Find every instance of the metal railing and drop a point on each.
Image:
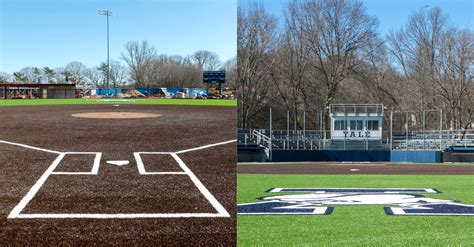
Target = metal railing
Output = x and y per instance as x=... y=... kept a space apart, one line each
x=317 y=140
x=433 y=140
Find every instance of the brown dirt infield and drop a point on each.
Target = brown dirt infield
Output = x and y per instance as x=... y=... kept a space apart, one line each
x=354 y=168
x=117 y=189
x=115 y=115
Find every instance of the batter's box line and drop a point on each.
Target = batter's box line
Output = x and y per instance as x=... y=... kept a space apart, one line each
x=95 y=166
x=141 y=165
x=16 y=212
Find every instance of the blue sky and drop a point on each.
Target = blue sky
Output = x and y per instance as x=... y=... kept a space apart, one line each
x=54 y=32
x=392 y=14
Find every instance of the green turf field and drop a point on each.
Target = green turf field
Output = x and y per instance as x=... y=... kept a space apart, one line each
x=357 y=225
x=213 y=102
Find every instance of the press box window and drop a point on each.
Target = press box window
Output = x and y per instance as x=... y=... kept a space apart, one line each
x=339 y=125
x=373 y=125
x=356 y=124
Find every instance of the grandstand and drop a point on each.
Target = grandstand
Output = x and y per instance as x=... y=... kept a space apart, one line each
x=356 y=127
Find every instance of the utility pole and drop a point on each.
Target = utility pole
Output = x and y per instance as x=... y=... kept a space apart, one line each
x=107 y=13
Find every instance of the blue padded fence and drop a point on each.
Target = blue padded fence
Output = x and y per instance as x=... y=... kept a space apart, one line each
x=331 y=155
x=416 y=156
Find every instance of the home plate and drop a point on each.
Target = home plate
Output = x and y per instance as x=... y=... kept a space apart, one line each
x=355 y=170
x=118 y=162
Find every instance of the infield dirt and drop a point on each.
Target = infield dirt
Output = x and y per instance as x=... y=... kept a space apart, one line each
x=118 y=189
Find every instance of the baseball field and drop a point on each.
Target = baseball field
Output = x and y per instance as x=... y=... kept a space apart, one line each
x=355 y=225
x=117 y=172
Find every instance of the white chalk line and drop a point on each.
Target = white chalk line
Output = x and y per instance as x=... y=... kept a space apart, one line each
x=205 y=146
x=16 y=212
x=35 y=188
x=30 y=147
x=119 y=216
x=95 y=165
x=141 y=166
x=220 y=209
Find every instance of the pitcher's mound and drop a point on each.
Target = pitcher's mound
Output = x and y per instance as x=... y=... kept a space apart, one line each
x=116 y=115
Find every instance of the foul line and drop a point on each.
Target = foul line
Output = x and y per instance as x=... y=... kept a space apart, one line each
x=220 y=209
x=30 y=147
x=32 y=192
x=206 y=146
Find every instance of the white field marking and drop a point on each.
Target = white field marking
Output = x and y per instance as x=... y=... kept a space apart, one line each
x=220 y=209
x=165 y=173
x=394 y=190
x=398 y=211
x=34 y=189
x=141 y=166
x=95 y=166
x=15 y=213
x=119 y=216
x=30 y=147
x=118 y=162
x=275 y=190
x=431 y=191
x=206 y=146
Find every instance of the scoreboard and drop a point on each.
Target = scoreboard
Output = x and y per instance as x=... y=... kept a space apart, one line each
x=214 y=77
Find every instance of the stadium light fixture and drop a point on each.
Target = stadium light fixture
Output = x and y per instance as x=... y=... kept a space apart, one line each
x=107 y=13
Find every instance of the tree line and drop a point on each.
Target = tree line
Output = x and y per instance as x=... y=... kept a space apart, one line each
x=140 y=65
x=321 y=52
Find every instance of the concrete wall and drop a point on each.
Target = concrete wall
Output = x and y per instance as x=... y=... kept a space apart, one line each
x=416 y=156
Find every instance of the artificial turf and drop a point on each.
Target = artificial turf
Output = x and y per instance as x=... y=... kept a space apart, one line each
x=356 y=225
x=30 y=102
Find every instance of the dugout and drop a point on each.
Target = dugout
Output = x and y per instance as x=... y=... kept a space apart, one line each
x=38 y=91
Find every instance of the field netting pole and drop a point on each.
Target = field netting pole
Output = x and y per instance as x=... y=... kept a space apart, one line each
x=304 y=129
x=295 y=120
x=423 y=127
x=270 y=144
x=406 y=129
x=345 y=123
x=320 y=128
x=288 y=128
x=440 y=129
x=366 y=128
x=391 y=129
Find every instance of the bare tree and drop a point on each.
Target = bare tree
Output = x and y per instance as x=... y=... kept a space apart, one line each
x=95 y=76
x=139 y=58
x=230 y=67
x=454 y=76
x=118 y=73
x=76 y=72
x=20 y=77
x=436 y=61
x=49 y=73
x=28 y=74
x=206 y=60
x=256 y=40
x=5 y=77
x=334 y=31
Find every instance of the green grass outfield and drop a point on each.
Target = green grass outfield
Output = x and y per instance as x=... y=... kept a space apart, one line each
x=31 y=102
x=356 y=225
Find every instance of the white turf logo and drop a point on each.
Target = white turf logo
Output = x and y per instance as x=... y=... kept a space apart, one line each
x=321 y=201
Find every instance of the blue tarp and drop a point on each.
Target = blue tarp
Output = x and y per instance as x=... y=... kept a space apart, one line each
x=104 y=91
x=169 y=92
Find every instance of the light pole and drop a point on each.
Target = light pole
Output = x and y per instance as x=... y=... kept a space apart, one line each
x=107 y=13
